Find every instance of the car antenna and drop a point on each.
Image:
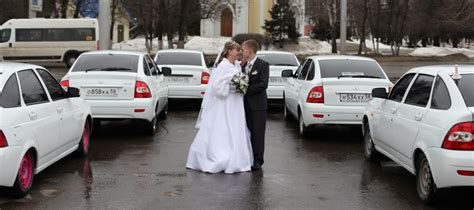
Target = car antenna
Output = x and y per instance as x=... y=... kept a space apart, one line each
x=456 y=76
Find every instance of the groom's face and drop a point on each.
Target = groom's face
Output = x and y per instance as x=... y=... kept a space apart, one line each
x=247 y=52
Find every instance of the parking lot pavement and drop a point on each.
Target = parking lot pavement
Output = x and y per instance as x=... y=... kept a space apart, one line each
x=129 y=170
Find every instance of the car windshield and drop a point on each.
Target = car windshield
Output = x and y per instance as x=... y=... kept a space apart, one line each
x=5 y=35
x=107 y=62
x=466 y=87
x=279 y=59
x=179 y=58
x=338 y=68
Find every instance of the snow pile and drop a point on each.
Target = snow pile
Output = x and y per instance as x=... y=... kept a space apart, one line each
x=441 y=51
x=137 y=45
x=206 y=44
x=213 y=45
x=306 y=46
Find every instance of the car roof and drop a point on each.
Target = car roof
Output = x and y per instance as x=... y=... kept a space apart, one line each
x=102 y=52
x=332 y=57
x=181 y=50
x=9 y=67
x=275 y=52
x=445 y=69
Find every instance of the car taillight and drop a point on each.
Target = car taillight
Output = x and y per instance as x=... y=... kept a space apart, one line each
x=3 y=140
x=65 y=84
x=460 y=137
x=316 y=95
x=205 y=78
x=142 y=90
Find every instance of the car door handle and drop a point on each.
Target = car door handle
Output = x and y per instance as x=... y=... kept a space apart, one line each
x=419 y=117
x=60 y=109
x=33 y=115
x=393 y=110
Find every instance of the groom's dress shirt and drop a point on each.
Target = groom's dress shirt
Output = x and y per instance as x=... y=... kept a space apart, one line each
x=249 y=66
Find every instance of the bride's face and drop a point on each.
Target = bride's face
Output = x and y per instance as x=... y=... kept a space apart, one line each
x=234 y=54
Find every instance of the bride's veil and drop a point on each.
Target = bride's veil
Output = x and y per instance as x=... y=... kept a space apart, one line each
x=208 y=93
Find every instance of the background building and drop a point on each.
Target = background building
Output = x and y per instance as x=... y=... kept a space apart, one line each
x=231 y=17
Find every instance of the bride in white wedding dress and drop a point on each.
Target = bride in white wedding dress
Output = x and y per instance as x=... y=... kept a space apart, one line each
x=222 y=143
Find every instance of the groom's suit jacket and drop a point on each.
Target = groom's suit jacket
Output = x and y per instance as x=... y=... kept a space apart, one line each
x=256 y=96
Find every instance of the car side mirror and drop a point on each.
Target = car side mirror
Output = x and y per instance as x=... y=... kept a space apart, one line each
x=73 y=92
x=287 y=73
x=166 y=71
x=379 y=93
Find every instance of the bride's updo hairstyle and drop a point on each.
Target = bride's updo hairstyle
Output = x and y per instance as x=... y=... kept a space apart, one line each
x=229 y=46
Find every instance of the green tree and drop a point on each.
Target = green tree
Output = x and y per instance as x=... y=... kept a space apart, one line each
x=282 y=24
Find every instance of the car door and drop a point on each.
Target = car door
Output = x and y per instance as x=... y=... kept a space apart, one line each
x=161 y=85
x=15 y=114
x=409 y=116
x=300 y=82
x=382 y=130
x=291 y=91
x=154 y=80
x=70 y=130
x=43 y=116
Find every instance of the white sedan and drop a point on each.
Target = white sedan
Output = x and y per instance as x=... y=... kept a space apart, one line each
x=331 y=90
x=426 y=125
x=190 y=72
x=121 y=85
x=278 y=61
x=40 y=123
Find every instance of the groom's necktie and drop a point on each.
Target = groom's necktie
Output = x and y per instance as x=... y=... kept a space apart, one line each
x=249 y=68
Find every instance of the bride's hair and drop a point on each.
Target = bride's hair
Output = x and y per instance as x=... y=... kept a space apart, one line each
x=229 y=46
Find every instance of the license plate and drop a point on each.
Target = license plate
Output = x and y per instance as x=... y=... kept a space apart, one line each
x=109 y=92
x=178 y=79
x=278 y=80
x=355 y=98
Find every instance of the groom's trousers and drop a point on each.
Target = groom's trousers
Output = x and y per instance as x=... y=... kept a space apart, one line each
x=256 y=122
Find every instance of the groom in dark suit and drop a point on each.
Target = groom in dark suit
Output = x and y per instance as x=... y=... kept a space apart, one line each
x=255 y=100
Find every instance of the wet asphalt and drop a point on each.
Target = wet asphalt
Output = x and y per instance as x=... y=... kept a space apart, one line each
x=128 y=170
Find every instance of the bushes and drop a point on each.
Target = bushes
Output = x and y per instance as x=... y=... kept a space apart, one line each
x=261 y=39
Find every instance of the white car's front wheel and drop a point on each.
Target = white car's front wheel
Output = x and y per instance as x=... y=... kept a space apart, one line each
x=369 y=147
x=83 y=148
x=285 y=112
x=425 y=185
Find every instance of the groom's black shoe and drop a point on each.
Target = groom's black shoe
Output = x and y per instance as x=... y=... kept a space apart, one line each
x=256 y=167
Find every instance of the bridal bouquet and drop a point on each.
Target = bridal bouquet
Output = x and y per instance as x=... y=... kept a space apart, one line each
x=241 y=82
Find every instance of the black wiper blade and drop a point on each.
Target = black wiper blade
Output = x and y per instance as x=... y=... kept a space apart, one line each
x=359 y=76
x=282 y=64
x=366 y=76
x=116 y=69
x=91 y=69
x=344 y=76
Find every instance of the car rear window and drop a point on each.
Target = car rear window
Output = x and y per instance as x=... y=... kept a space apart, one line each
x=466 y=86
x=107 y=62
x=279 y=59
x=350 y=68
x=179 y=58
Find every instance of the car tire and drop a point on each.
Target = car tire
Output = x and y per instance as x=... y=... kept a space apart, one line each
x=370 y=152
x=303 y=130
x=24 y=178
x=70 y=58
x=425 y=185
x=285 y=112
x=152 y=126
x=84 y=144
x=164 y=112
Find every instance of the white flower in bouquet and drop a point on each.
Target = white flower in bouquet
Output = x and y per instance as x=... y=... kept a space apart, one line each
x=241 y=82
